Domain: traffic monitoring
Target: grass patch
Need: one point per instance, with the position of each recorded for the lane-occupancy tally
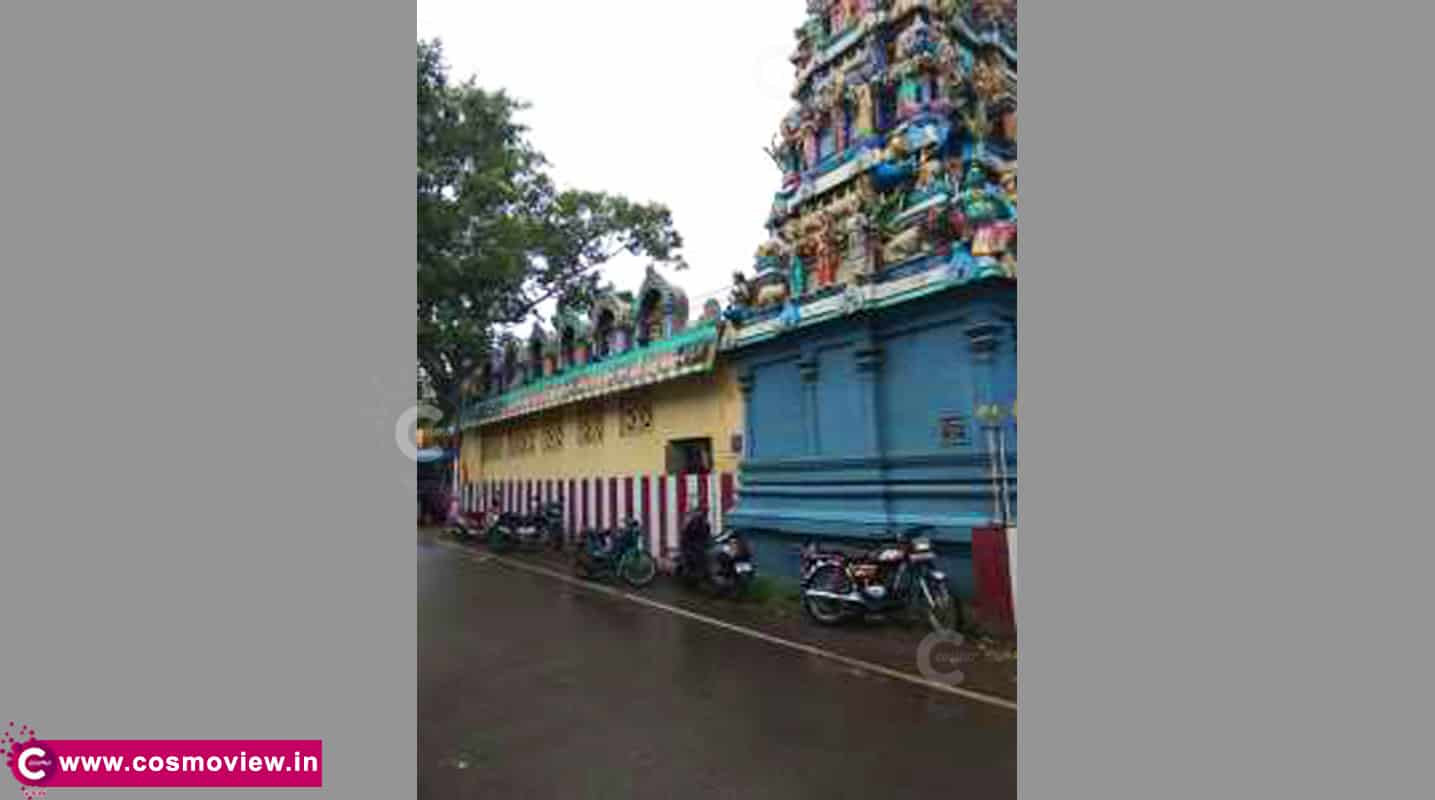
(771, 592)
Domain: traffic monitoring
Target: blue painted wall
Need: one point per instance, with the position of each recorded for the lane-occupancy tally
(844, 426)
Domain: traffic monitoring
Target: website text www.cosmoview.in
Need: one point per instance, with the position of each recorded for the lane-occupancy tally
(178, 763)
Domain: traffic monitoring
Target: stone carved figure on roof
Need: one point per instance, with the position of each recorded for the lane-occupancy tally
(661, 308)
(536, 348)
(612, 320)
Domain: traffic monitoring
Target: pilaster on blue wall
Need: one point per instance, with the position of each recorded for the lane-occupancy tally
(845, 421)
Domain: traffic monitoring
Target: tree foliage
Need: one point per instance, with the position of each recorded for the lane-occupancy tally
(496, 237)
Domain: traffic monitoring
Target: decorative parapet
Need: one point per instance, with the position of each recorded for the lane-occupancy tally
(690, 352)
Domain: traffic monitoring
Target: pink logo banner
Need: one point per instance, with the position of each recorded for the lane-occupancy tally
(165, 763)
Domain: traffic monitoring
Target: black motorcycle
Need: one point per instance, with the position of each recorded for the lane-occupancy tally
(724, 564)
(534, 531)
(839, 584)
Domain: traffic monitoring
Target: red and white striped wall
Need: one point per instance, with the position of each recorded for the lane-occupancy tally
(656, 501)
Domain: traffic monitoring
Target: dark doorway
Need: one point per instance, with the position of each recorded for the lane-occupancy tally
(690, 456)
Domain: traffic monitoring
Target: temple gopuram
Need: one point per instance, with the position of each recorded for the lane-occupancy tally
(875, 337)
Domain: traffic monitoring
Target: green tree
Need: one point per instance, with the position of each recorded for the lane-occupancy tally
(496, 237)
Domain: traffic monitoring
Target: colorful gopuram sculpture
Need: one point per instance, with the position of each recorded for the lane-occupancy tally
(899, 154)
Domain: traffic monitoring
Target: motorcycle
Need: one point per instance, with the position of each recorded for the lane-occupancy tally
(534, 531)
(464, 526)
(723, 563)
(618, 552)
(839, 584)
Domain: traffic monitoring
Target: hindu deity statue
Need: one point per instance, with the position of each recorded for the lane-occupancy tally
(838, 14)
(929, 173)
(877, 56)
(949, 70)
(857, 9)
(908, 96)
(772, 253)
(864, 122)
(796, 277)
(809, 143)
(995, 14)
(1001, 142)
(987, 212)
(828, 250)
(815, 31)
(860, 252)
(988, 77)
(712, 310)
(916, 39)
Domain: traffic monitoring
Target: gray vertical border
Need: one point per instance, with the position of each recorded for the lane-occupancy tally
(1218, 359)
(206, 294)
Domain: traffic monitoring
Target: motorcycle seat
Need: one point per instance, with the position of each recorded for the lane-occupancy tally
(846, 553)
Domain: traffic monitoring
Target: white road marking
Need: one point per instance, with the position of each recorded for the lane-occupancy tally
(858, 663)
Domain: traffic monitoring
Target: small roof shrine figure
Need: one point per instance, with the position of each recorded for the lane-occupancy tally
(662, 309)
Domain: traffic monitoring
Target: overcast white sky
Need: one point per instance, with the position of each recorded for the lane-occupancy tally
(660, 100)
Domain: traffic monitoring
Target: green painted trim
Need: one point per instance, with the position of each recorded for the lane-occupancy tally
(703, 332)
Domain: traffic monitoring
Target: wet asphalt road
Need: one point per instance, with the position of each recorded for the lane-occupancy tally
(530, 687)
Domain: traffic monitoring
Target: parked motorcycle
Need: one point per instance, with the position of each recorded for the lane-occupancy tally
(468, 526)
(618, 552)
(534, 531)
(839, 584)
(724, 563)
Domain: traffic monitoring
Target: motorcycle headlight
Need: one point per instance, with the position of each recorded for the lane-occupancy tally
(938, 575)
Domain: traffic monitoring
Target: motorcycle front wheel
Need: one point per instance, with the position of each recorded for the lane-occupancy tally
(724, 580)
(824, 610)
(942, 612)
(638, 568)
(499, 540)
(581, 568)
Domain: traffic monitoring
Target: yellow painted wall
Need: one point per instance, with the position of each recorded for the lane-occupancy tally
(696, 406)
